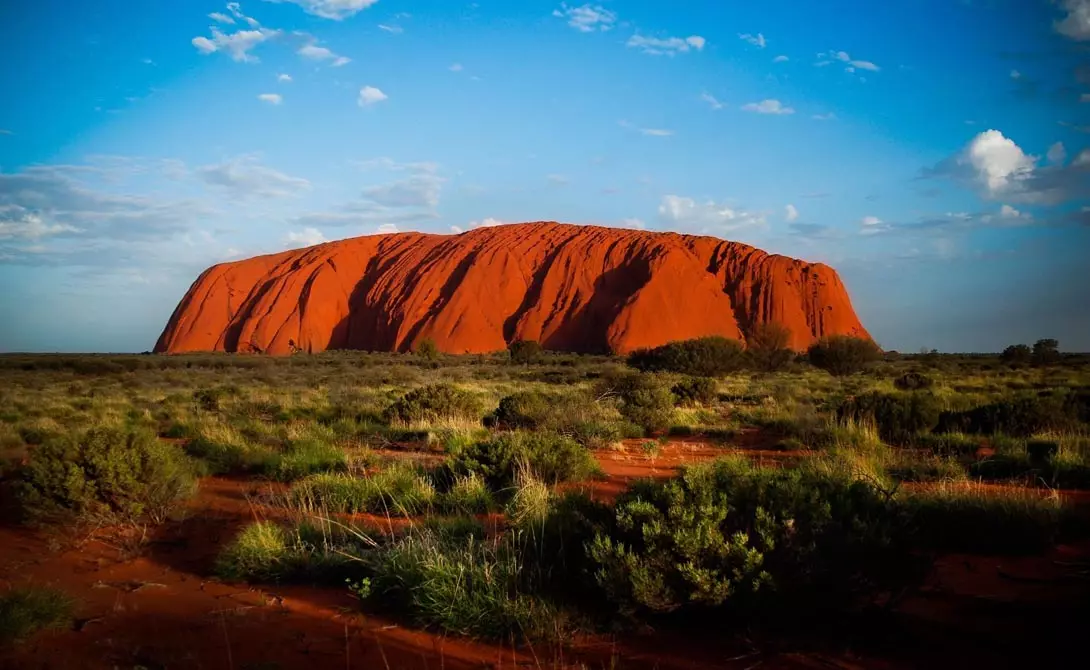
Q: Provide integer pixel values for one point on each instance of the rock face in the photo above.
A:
(571, 288)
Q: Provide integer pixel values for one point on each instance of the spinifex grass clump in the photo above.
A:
(397, 490)
(268, 552)
(435, 404)
(546, 456)
(23, 611)
(105, 474)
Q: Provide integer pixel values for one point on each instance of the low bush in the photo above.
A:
(1018, 416)
(433, 404)
(702, 357)
(545, 456)
(842, 355)
(525, 409)
(899, 417)
(524, 351)
(26, 610)
(267, 552)
(646, 400)
(730, 534)
(105, 474)
(468, 495)
(913, 381)
(695, 391)
(767, 347)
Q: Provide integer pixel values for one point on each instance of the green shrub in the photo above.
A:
(767, 347)
(1016, 354)
(435, 403)
(842, 355)
(222, 457)
(427, 349)
(913, 381)
(524, 351)
(1017, 416)
(702, 357)
(646, 400)
(525, 409)
(468, 495)
(695, 391)
(899, 417)
(545, 456)
(1045, 352)
(105, 474)
(266, 552)
(732, 534)
(397, 490)
(209, 399)
(26, 610)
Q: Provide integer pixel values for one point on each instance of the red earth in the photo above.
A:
(572, 288)
(154, 603)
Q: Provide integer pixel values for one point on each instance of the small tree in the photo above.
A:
(711, 356)
(1046, 352)
(427, 350)
(842, 355)
(524, 351)
(767, 347)
(1016, 354)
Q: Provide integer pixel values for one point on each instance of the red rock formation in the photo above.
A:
(571, 288)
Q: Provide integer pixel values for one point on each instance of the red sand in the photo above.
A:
(571, 288)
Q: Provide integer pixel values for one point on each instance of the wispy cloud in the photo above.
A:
(757, 40)
(456, 67)
(711, 100)
(669, 46)
(768, 107)
(314, 52)
(852, 64)
(237, 45)
(780, 59)
(587, 18)
(708, 215)
(271, 98)
(791, 213)
(651, 132)
(394, 30)
(246, 177)
(307, 237)
(222, 18)
(285, 78)
(331, 9)
(824, 117)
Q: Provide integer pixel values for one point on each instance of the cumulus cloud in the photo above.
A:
(237, 45)
(687, 212)
(851, 64)
(246, 177)
(757, 40)
(710, 99)
(271, 98)
(331, 9)
(486, 223)
(386, 229)
(587, 18)
(317, 53)
(791, 213)
(666, 47)
(638, 224)
(1056, 153)
(16, 223)
(369, 95)
(1076, 24)
(768, 107)
(307, 237)
(222, 18)
(285, 78)
(780, 59)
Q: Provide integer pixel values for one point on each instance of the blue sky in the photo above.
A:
(930, 150)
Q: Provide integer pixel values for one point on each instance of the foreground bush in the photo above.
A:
(397, 490)
(525, 409)
(703, 357)
(646, 400)
(105, 474)
(434, 404)
(267, 552)
(1017, 416)
(695, 391)
(24, 611)
(732, 534)
(899, 417)
(545, 456)
(842, 355)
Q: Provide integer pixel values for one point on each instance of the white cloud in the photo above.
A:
(1056, 153)
(652, 132)
(1076, 25)
(1015, 74)
(682, 211)
(996, 162)
(1008, 212)
(457, 230)
(870, 221)
(307, 237)
(331, 9)
(285, 78)
(316, 53)
(757, 40)
(872, 225)
(710, 99)
(369, 95)
(236, 10)
(487, 223)
(666, 47)
(768, 107)
(557, 180)
(245, 176)
(456, 67)
(780, 59)
(587, 18)
(638, 224)
(271, 98)
(387, 229)
(824, 117)
(421, 189)
(394, 30)
(844, 57)
(222, 18)
(29, 226)
(791, 213)
(238, 45)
